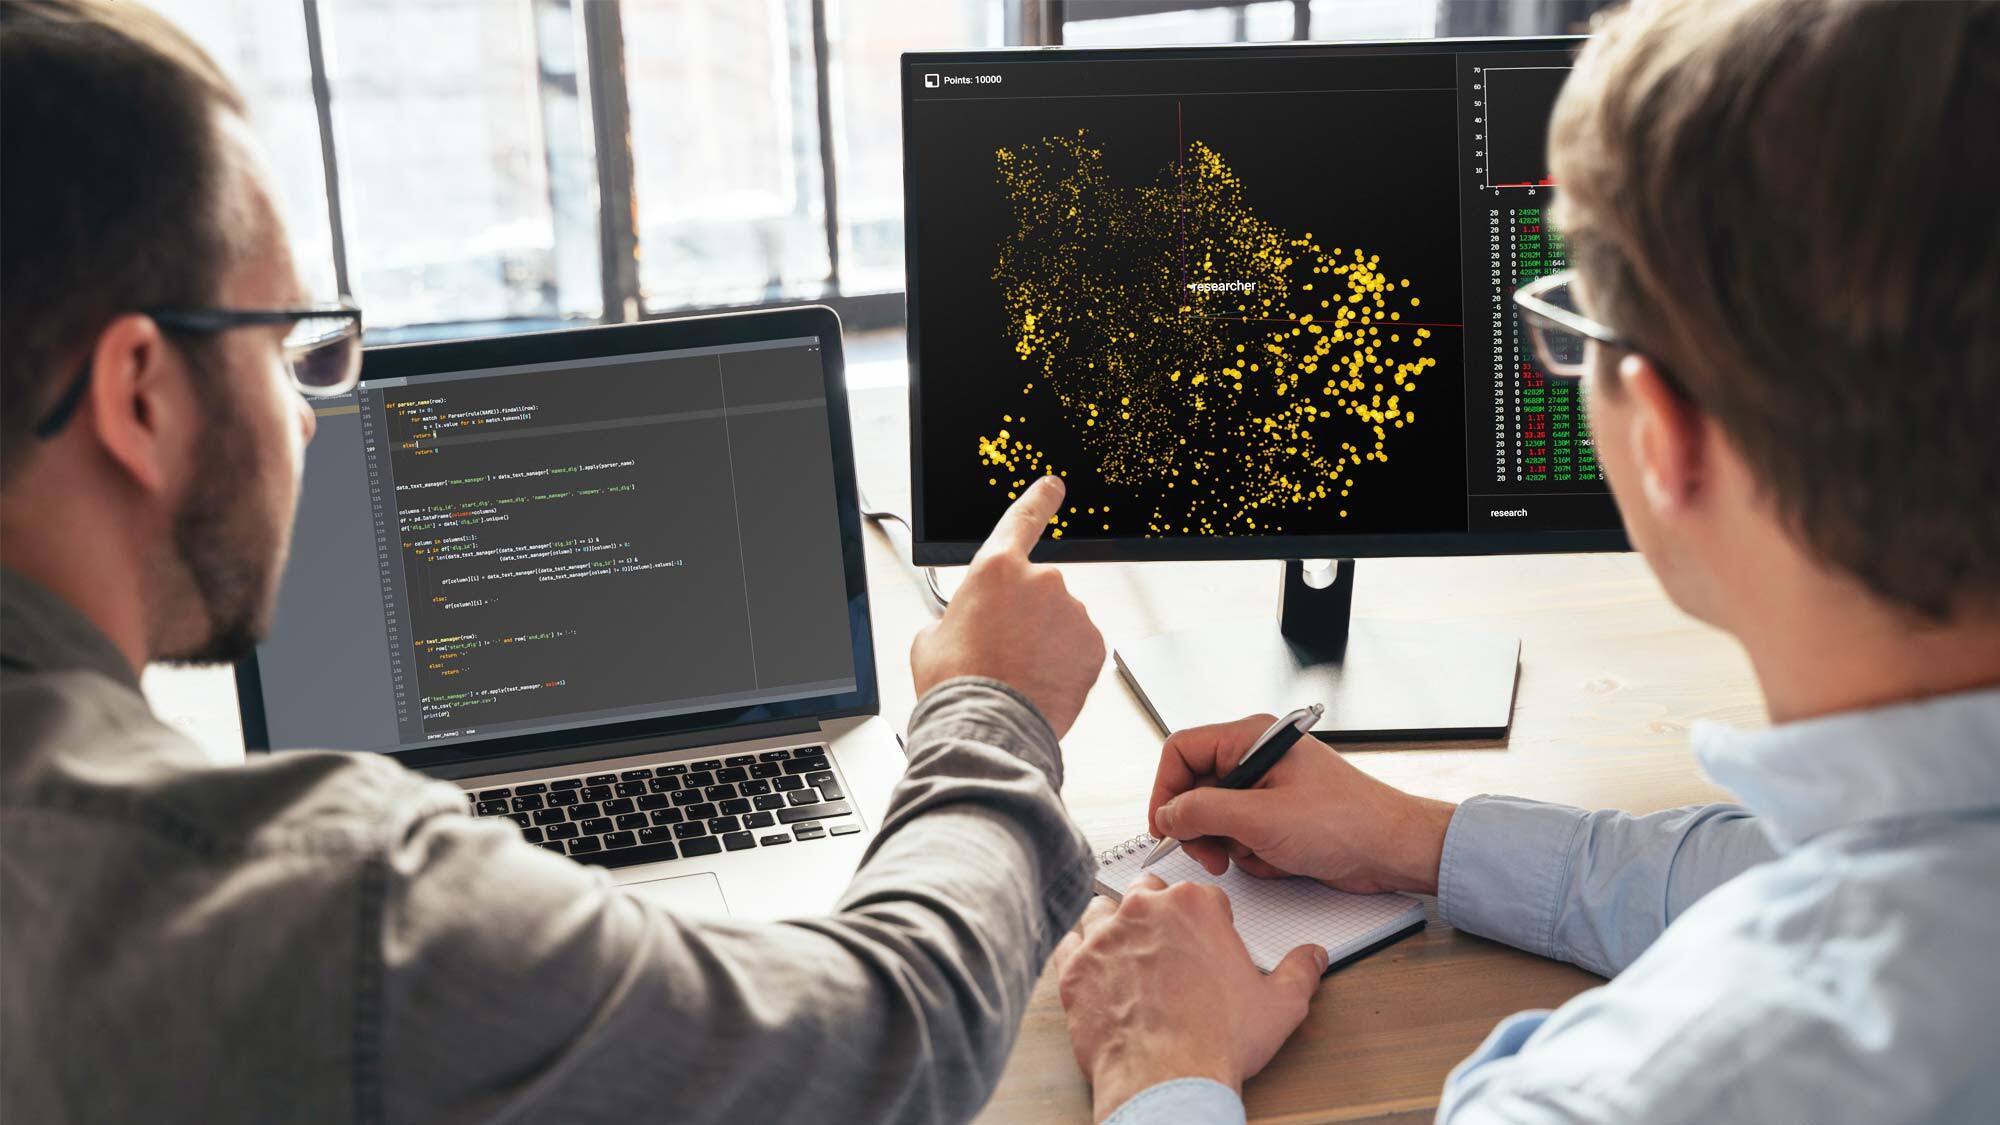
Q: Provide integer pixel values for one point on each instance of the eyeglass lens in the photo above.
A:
(325, 355)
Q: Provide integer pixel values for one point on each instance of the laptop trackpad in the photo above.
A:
(685, 894)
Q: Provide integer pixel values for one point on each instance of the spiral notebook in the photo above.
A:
(1276, 916)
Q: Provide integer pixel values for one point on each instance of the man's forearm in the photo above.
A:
(1591, 888)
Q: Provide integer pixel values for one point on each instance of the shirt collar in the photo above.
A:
(40, 631)
(1932, 757)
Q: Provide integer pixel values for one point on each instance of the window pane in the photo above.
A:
(1375, 19)
(725, 150)
(262, 46)
(867, 39)
(1196, 25)
(443, 116)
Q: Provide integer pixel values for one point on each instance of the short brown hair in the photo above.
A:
(1792, 206)
(114, 181)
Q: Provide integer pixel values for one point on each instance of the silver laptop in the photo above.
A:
(610, 582)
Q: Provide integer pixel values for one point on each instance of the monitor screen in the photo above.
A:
(547, 547)
(1247, 302)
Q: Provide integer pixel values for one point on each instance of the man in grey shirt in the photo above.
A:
(323, 936)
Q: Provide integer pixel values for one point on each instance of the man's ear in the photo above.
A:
(139, 406)
(1668, 435)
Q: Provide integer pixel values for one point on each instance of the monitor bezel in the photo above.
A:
(584, 743)
(926, 551)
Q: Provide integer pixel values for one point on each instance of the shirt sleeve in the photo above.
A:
(1181, 1101)
(1591, 888)
(510, 982)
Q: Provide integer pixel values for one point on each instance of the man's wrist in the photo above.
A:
(1114, 1082)
(1421, 849)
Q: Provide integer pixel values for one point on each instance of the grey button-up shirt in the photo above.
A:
(1827, 952)
(324, 936)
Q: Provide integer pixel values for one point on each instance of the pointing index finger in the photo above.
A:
(1025, 520)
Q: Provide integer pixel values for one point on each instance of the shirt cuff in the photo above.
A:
(1181, 1101)
(990, 712)
(1505, 869)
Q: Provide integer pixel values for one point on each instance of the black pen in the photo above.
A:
(1264, 753)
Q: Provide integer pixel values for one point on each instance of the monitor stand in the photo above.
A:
(1379, 680)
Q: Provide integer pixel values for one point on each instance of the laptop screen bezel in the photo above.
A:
(585, 742)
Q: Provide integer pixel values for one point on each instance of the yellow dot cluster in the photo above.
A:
(1231, 374)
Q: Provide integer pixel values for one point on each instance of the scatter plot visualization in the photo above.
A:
(1228, 375)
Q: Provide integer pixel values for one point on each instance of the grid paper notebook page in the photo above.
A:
(1274, 916)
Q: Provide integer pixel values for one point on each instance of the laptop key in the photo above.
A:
(723, 825)
(702, 811)
(808, 832)
(584, 844)
(597, 826)
(677, 767)
(805, 797)
(753, 787)
(528, 804)
(738, 841)
(566, 783)
(774, 838)
(596, 792)
(619, 839)
(655, 836)
(687, 797)
(562, 832)
(719, 792)
(697, 779)
(740, 760)
(519, 818)
(814, 812)
(654, 801)
(775, 755)
(621, 805)
(632, 820)
(493, 794)
(584, 811)
(735, 806)
(664, 784)
(532, 835)
(562, 798)
(600, 779)
(767, 769)
(630, 788)
(665, 816)
(787, 784)
(758, 820)
(550, 816)
(708, 764)
(732, 773)
(844, 829)
(626, 857)
(531, 787)
(806, 765)
(640, 774)
(706, 845)
(689, 829)
(770, 801)
(829, 787)
(492, 808)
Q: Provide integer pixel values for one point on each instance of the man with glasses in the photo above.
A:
(1786, 315)
(302, 938)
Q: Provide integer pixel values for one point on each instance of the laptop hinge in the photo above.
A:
(622, 748)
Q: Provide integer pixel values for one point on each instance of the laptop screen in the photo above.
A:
(550, 546)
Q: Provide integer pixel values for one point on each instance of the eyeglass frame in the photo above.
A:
(208, 322)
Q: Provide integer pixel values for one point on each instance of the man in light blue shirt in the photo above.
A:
(1783, 222)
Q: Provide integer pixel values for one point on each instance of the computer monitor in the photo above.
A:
(1249, 302)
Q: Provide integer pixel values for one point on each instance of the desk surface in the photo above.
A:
(1611, 677)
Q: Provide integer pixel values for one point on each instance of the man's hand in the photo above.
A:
(1015, 622)
(1314, 814)
(1160, 987)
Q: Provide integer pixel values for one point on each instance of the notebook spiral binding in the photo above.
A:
(1126, 850)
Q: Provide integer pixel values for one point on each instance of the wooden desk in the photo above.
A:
(1611, 677)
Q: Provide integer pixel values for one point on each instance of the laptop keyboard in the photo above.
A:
(679, 810)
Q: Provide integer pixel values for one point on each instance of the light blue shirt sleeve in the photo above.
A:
(1594, 889)
(1181, 1101)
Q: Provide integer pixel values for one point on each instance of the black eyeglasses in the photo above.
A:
(322, 351)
